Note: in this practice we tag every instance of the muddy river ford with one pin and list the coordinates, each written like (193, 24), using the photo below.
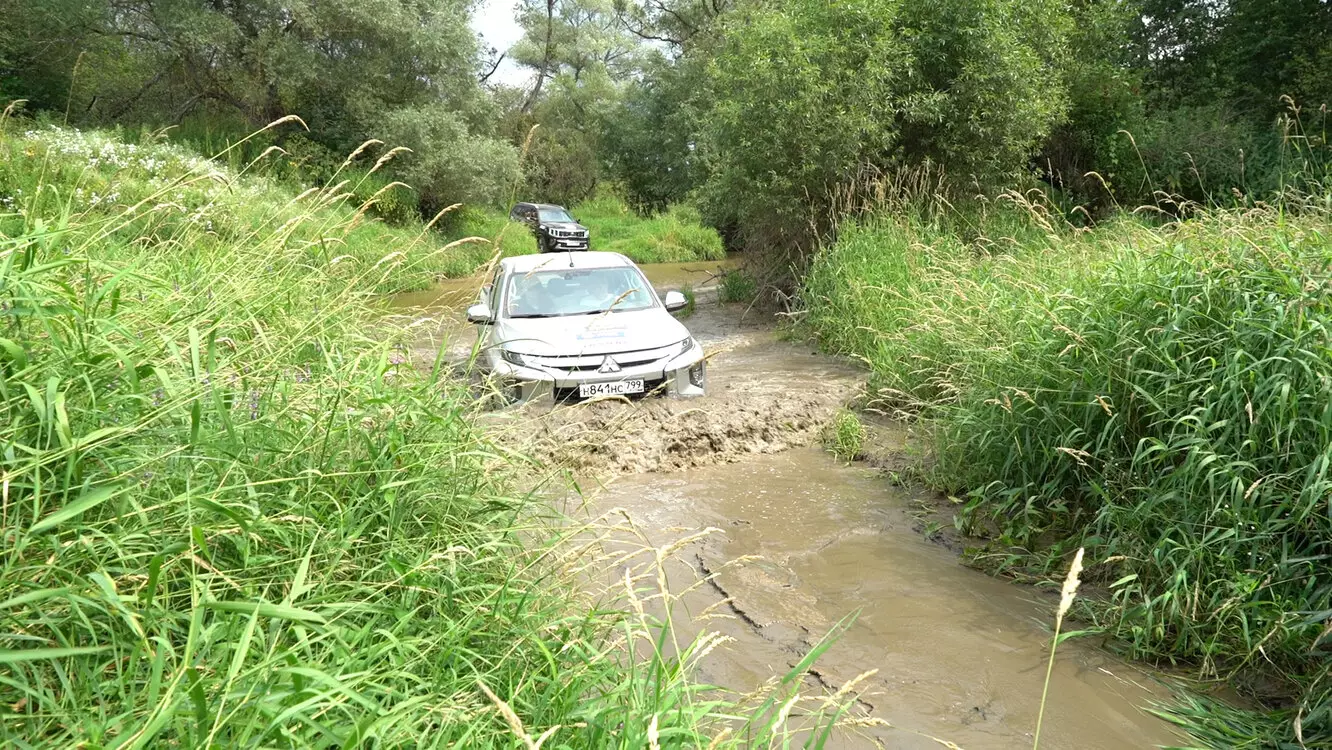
(960, 656)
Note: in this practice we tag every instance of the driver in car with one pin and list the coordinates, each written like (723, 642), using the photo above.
(531, 299)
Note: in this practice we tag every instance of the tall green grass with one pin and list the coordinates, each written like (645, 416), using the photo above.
(171, 188)
(232, 516)
(1161, 396)
(674, 236)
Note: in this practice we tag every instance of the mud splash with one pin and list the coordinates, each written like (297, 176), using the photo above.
(764, 396)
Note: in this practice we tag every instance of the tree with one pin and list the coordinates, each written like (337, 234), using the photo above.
(672, 22)
(649, 140)
(577, 38)
(334, 63)
(805, 95)
(581, 56)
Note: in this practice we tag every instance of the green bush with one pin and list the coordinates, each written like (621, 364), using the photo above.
(447, 164)
(738, 285)
(1159, 397)
(803, 97)
(844, 435)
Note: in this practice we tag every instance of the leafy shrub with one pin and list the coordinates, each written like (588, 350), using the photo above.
(738, 285)
(447, 164)
(802, 95)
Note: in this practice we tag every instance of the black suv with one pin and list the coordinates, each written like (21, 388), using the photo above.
(555, 230)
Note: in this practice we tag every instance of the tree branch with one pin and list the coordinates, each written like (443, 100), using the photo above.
(493, 68)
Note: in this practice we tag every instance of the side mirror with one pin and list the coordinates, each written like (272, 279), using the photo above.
(478, 313)
(675, 301)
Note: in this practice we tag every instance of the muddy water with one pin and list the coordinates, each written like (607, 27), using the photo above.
(960, 655)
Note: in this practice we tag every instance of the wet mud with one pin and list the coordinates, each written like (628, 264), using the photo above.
(805, 546)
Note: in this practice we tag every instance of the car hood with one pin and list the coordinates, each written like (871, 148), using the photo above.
(565, 225)
(574, 335)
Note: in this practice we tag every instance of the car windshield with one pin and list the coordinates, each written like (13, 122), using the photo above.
(576, 291)
(555, 214)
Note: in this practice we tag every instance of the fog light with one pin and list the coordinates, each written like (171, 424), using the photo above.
(696, 374)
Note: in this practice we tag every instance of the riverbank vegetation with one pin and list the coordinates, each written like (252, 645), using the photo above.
(231, 517)
(1157, 394)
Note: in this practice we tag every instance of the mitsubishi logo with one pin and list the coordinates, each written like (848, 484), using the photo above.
(609, 365)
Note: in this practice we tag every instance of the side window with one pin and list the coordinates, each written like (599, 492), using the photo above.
(489, 294)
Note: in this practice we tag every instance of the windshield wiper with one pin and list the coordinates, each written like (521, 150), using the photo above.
(537, 315)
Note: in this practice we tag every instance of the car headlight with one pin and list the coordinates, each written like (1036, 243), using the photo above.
(513, 357)
(686, 346)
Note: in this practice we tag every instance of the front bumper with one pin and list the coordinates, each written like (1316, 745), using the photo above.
(562, 244)
(679, 375)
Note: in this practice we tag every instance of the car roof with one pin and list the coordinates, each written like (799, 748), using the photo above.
(556, 261)
(539, 206)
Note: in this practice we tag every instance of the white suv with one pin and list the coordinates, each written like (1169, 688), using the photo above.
(583, 325)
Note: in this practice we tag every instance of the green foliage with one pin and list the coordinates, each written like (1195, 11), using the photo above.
(671, 237)
(580, 54)
(446, 164)
(1159, 396)
(562, 166)
(804, 96)
(1244, 53)
(691, 301)
(337, 65)
(234, 518)
(737, 285)
(258, 486)
(647, 143)
(394, 70)
(103, 173)
(844, 435)
(479, 234)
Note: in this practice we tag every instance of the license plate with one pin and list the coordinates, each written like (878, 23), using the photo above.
(620, 388)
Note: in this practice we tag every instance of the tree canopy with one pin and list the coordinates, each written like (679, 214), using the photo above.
(760, 112)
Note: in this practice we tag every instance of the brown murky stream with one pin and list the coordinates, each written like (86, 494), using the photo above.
(960, 655)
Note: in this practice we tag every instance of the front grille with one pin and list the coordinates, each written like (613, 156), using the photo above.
(592, 362)
(623, 363)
